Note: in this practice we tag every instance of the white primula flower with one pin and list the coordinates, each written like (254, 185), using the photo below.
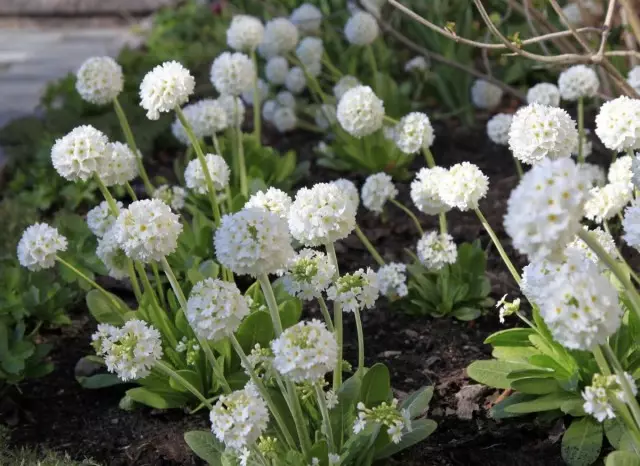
(307, 17)
(573, 14)
(596, 403)
(325, 116)
(276, 70)
(544, 94)
(498, 128)
(413, 133)
(594, 174)
(463, 186)
(392, 280)
(99, 80)
(233, 73)
(425, 191)
(350, 190)
(263, 92)
(377, 190)
(604, 203)
(631, 224)
(280, 37)
(485, 95)
(418, 63)
(435, 250)
(360, 111)
(286, 99)
(112, 256)
(310, 51)
(80, 154)
(604, 238)
(633, 78)
(269, 108)
(310, 273)
(343, 85)
(535, 280)
(620, 171)
(233, 107)
(206, 117)
(285, 119)
(173, 196)
(618, 125)
(355, 291)
(219, 172)
(245, 33)
(578, 81)
(272, 200)
(100, 219)
(39, 245)
(587, 146)
(361, 28)
(296, 80)
(119, 165)
(164, 88)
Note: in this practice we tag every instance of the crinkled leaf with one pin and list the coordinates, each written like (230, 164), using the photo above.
(582, 442)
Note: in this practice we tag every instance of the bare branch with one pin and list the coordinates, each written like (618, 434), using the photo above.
(532, 26)
(634, 22)
(606, 28)
(567, 23)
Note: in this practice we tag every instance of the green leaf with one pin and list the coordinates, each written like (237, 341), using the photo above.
(614, 429)
(376, 386)
(158, 399)
(290, 312)
(320, 450)
(190, 376)
(582, 442)
(514, 353)
(574, 408)
(535, 386)
(544, 403)
(498, 411)
(205, 445)
(99, 381)
(421, 429)
(494, 373)
(622, 458)
(256, 328)
(102, 309)
(418, 402)
(511, 337)
(466, 313)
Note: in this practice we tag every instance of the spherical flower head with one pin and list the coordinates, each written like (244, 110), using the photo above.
(597, 403)
(286, 99)
(114, 258)
(343, 85)
(322, 214)
(604, 203)
(361, 29)
(355, 291)
(269, 110)
(285, 119)
(545, 209)
(463, 187)
(119, 165)
(272, 200)
(413, 133)
(164, 88)
(253, 242)
(195, 178)
(276, 70)
(310, 50)
(485, 95)
(620, 171)
(233, 107)
(206, 117)
(392, 280)
(498, 128)
(239, 419)
(232, 73)
(39, 245)
(305, 352)
(604, 239)
(263, 91)
(325, 116)
(296, 81)
(280, 37)
(536, 277)
(100, 219)
(436, 250)
(245, 33)
(360, 111)
(99, 80)
(129, 351)
(578, 81)
(573, 14)
(633, 78)
(594, 174)
(418, 64)
(587, 146)
(310, 273)
(581, 306)
(544, 94)
(538, 131)
(350, 190)
(173, 196)
(617, 124)
(79, 154)
(148, 230)
(377, 190)
(215, 309)
(631, 224)
(425, 191)
(307, 18)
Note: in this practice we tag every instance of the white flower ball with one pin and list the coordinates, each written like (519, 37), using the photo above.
(113, 258)
(573, 14)
(80, 154)
(310, 273)
(413, 133)
(377, 190)
(322, 214)
(617, 124)
(355, 291)
(343, 85)
(536, 277)
(620, 171)
(418, 63)
(296, 80)
(544, 94)
(463, 186)
(119, 165)
(245, 33)
(173, 196)
(280, 37)
(631, 224)
(392, 280)
(276, 70)
(233, 107)
(100, 219)
(587, 146)
(263, 91)
(362, 28)
(349, 189)
(148, 230)
(39, 245)
(633, 78)
(538, 132)
(285, 119)
(233, 73)
(253, 242)
(325, 116)
(360, 111)
(99, 80)
(218, 170)
(206, 117)
(305, 352)
(545, 209)
(485, 95)
(606, 202)
(578, 81)
(579, 247)
(425, 191)
(498, 128)
(272, 200)
(269, 109)
(436, 250)
(310, 51)
(594, 174)
(164, 88)
(308, 18)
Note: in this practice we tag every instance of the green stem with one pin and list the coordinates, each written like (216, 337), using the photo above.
(244, 185)
(267, 290)
(580, 129)
(428, 156)
(391, 120)
(322, 404)
(372, 61)
(442, 219)
(360, 340)
(106, 294)
(325, 313)
(156, 276)
(367, 244)
(411, 216)
(113, 206)
(337, 318)
(130, 191)
(519, 169)
(326, 61)
(309, 127)
(181, 380)
(131, 142)
(134, 281)
(631, 400)
(298, 418)
(498, 245)
(256, 100)
(216, 144)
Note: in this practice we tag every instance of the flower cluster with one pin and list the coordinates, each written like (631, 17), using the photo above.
(99, 80)
(232, 73)
(544, 94)
(100, 219)
(435, 250)
(272, 200)
(597, 397)
(397, 422)
(245, 33)
(173, 196)
(280, 37)
(39, 245)
(485, 95)
(307, 17)
(80, 154)
(360, 111)
(206, 118)
(377, 190)
(425, 191)
(164, 88)
(361, 28)
(498, 128)
(310, 273)
(392, 280)
(463, 186)
(355, 291)
(219, 172)
(618, 125)
(577, 82)
(413, 133)
(112, 255)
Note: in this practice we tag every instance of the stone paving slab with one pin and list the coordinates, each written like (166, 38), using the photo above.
(79, 7)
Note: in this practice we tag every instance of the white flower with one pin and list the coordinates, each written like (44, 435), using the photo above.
(617, 124)
(544, 210)
(361, 28)
(285, 119)
(100, 219)
(331, 398)
(253, 242)
(310, 51)
(544, 94)
(587, 146)
(119, 165)
(322, 214)
(39, 245)
(350, 190)
(355, 291)
(305, 352)
(239, 419)
(535, 279)
(164, 88)
(418, 63)
(498, 128)
(596, 403)
(377, 190)
(307, 18)
(392, 280)
(245, 33)
(310, 273)
(233, 107)
(263, 92)
(425, 191)
(148, 230)
(113, 258)
(578, 81)
(206, 117)
(325, 116)
(635, 170)
(538, 131)
(232, 73)
(603, 203)
(269, 109)
(99, 80)
(173, 196)
(286, 99)
(343, 85)
(360, 111)
(296, 81)
(276, 70)
(594, 174)
(579, 247)
(631, 224)
(507, 308)
(413, 133)
(280, 37)
(215, 309)
(463, 186)
(435, 250)
(80, 154)
(485, 95)
(633, 78)
(573, 14)
(129, 351)
(194, 174)
(272, 200)
(620, 171)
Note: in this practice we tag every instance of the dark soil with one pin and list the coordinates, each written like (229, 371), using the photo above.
(56, 412)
